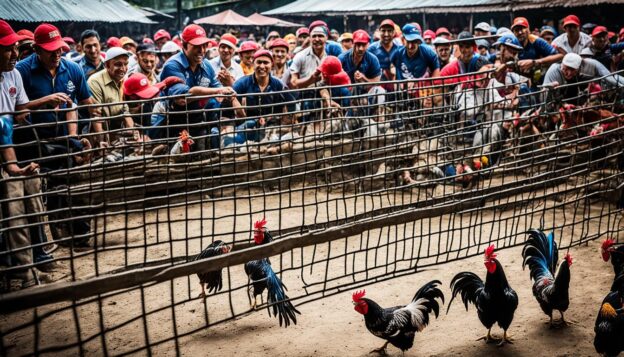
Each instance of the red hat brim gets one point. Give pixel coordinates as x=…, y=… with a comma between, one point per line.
x=54, y=45
x=148, y=93
x=198, y=41
x=12, y=39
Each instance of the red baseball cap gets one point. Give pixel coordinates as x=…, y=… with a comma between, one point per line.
x=429, y=34
x=8, y=37
x=150, y=41
x=195, y=35
x=229, y=40
x=248, y=46
x=442, y=30
x=113, y=42
x=138, y=84
x=68, y=40
x=330, y=66
x=520, y=21
x=262, y=53
x=571, y=20
x=317, y=23
x=26, y=33
x=279, y=42
x=387, y=22
x=302, y=31
x=361, y=36
x=49, y=38
x=162, y=34
x=339, y=79
x=599, y=30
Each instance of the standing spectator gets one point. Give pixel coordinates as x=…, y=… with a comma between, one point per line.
x=573, y=40
x=304, y=66
x=415, y=60
x=361, y=65
x=603, y=51
x=302, y=36
x=482, y=29
x=25, y=45
x=467, y=62
x=113, y=41
x=429, y=36
x=161, y=37
x=483, y=48
x=146, y=60
x=444, y=33
x=92, y=61
x=129, y=45
x=385, y=48
x=246, y=52
x=280, y=70
x=227, y=69
x=536, y=51
x=168, y=50
x=443, y=50
x=548, y=33
x=346, y=41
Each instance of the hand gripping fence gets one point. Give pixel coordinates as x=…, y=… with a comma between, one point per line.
x=359, y=184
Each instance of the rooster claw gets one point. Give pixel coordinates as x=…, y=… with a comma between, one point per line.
x=506, y=339
x=381, y=350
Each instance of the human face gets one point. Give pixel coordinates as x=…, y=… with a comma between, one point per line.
x=548, y=37
x=359, y=49
x=600, y=41
x=466, y=51
x=195, y=54
x=292, y=44
x=8, y=58
x=347, y=44
x=428, y=40
x=160, y=42
x=521, y=33
x=483, y=51
x=318, y=42
x=301, y=39
x=280, y=55
x=225, y=52
x=117, y=68
x=130, y=48
x=147, y=61
x=92, y=49
x=387, y=34
x=412, y=48
x=572, y=31
x=481, y=33
x=262, y=67
x=444, y=52
x=507, y=53
x=247, y=58
x=568, y=73
x=49, y=59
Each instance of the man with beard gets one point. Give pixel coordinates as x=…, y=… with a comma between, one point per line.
x=536, y=52
x=228, y=71
x=385, y=48
x=361, y=65
x=572, y=40
x=91, y=62
x=279, y=48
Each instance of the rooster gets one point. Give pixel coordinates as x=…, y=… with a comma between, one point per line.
x=212, y=279
x=183, y=145
x=609, y=327
x=614, y=252
x=540, y=254
x=263, y=277
x=495, y=300
x=398, y=325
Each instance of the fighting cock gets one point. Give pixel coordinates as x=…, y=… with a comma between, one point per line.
x=495, y=300
x=609, y=327
x=183, y=145
x=615, y=252
x=398, y=325
x=263, y=277
x=540, y=254
x=212, y=279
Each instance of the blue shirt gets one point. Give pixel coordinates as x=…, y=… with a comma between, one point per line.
x=369, y=66
x=382, y=55
x=536, y=48
x=88, y=68
x=415, y=67
x=247, y=86
x=333, y=48
x=38, y=83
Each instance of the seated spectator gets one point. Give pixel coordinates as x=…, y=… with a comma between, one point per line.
x=483, y=48
x=384, y=49
x=444, y=33
x=228, y=71
x=548, y=34
x=168, y=50
x=146, y=62
x=428, y=37
x=361, y=65
x=246, y=52
x=482, y=29
x=572, y=40
x=92, y=60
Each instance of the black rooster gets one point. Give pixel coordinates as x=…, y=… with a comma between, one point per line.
x=540, y=254
x=609, y=327
x=398, y=325
x=615, y=252
x=263, y=277
x=212, y=279
x=495, y=300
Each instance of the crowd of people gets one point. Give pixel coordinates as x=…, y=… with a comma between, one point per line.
x=79, y=95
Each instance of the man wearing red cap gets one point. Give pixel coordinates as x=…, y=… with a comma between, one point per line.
x=280, y=48
x=572, y=40
x=228, y=70
x=536, y=51
x=361, y=65
x=385, y=48
x=603, y=51
x=161, y=37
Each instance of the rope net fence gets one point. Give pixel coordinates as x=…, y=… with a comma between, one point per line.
x=357, y=184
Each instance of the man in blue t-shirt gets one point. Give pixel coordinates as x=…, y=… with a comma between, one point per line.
x=415, y=61
x=361, y=65
x=385, y=48
x=536, y=51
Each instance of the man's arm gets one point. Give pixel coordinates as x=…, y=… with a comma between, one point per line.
x=10, y=164
x=305, y=82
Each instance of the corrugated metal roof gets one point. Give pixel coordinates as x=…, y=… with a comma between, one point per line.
x=379, y=7
x=71, y=10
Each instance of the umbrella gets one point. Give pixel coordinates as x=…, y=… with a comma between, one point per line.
x=262, y=20
x=226, y=18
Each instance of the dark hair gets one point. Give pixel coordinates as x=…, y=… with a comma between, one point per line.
x=87, y=34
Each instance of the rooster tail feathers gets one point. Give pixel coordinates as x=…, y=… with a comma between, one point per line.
x=468, y=285
x=540, y=254
x=278, y=301
x=427, y=296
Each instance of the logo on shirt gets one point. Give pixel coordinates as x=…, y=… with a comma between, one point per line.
x=204, y=82
x=12, y=91
x=70, y=86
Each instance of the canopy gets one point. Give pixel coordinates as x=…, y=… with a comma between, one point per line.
x=226, y=18
x=115, y=11
x=262, y=20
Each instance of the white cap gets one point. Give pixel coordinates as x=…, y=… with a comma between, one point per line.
x=502, y=30
x=587, y=51
x=483, y=26
x=440, y=41
x=115, y=52
x=572, y=60
x=170, y=47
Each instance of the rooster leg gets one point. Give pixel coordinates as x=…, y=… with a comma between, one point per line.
x=506, y=339
x=488, y=338
x=381, y=350
x=564, y=322
x=254, y=303
x=203, y=293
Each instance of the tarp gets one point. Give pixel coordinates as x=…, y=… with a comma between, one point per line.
x=262, y=20
x=114, y=11
x=226, y=18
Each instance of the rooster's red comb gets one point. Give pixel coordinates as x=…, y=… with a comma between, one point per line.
x=358, y=295
x=489, y=252
x=260, y=224
x=607, y=243
x=568, y=259
x=184, y=135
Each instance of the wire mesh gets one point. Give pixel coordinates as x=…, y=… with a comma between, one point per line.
x=358, y=185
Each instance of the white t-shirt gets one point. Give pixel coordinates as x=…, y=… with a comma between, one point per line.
x=12, y=93
x=235, y=69
x=562, y=42
x=305, y=62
